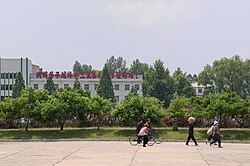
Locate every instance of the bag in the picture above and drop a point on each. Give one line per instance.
(210, 130)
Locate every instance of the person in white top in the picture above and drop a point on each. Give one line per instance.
(144, 133)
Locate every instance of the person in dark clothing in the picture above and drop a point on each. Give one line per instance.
(191, 133)
(138, 128)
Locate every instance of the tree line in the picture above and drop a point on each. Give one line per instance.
(167, 99)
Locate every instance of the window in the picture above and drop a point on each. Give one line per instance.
(126, 87)
(2, 87)
(137, 87)
(96, 85)
(56, 86)
(199, 90)
(2, 98)
(35, 86)
(2, 75)
(117, 98)
(116, 87)
(86, 86)
(66, 85)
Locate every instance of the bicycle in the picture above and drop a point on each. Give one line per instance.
(135, 140)
(157, 136)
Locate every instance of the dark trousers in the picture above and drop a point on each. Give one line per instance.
(191, 136)
(217, 139)
(145, 140)
(210, 137)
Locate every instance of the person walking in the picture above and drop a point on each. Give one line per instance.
(144, 133)
(216, 134)
(210, 134)
(191, 131)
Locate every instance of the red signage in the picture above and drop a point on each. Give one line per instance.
(88, 75)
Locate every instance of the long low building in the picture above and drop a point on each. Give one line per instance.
(36, 78)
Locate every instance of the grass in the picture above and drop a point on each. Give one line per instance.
(116, 134)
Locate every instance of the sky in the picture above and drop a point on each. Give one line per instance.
(182, 33)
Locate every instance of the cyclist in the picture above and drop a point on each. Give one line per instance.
(144, 133)
(138, 128)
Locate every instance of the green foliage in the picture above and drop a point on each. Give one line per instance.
(227, 74)
(132, 93)
(99, 107)
(18, 85)
(7, 109)
(182, 84)
(192, 78)
(77, 68)
(132, 109)
(158, 83)
(116, 64)
(77, 84)
(86, 68)
(105, 88)
(221, 107)
(179, 108)
(50, 86)
(138, 67)
(175, 127)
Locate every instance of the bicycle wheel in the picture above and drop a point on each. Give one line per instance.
(158, 139)
(151, 140)
(133, 140)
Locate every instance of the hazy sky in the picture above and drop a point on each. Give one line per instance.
(182, 33)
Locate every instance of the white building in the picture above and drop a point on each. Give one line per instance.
(199, 89)
(8, 70)
(36, 78)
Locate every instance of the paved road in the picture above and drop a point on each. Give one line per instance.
(120, 153)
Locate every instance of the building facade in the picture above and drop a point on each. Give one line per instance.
(36, 78)
(199, 89)
(8, 70)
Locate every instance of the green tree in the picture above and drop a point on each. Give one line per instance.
(18, 85)
(77, 84)
(116, 64)
(54, 110)
(226, 74)
(192, 78)
(246, 82)
(99, 107)
(86, 68)
(77, 68)
(138, 67)
(132, 93)
(26, 104)
(182, 84)
(158, 83)
(130, 110)
(105, 88)
(9, 112)
(178, 109)
(50, 86)
(71, 100)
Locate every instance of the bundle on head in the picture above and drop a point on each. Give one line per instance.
(191, 119)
